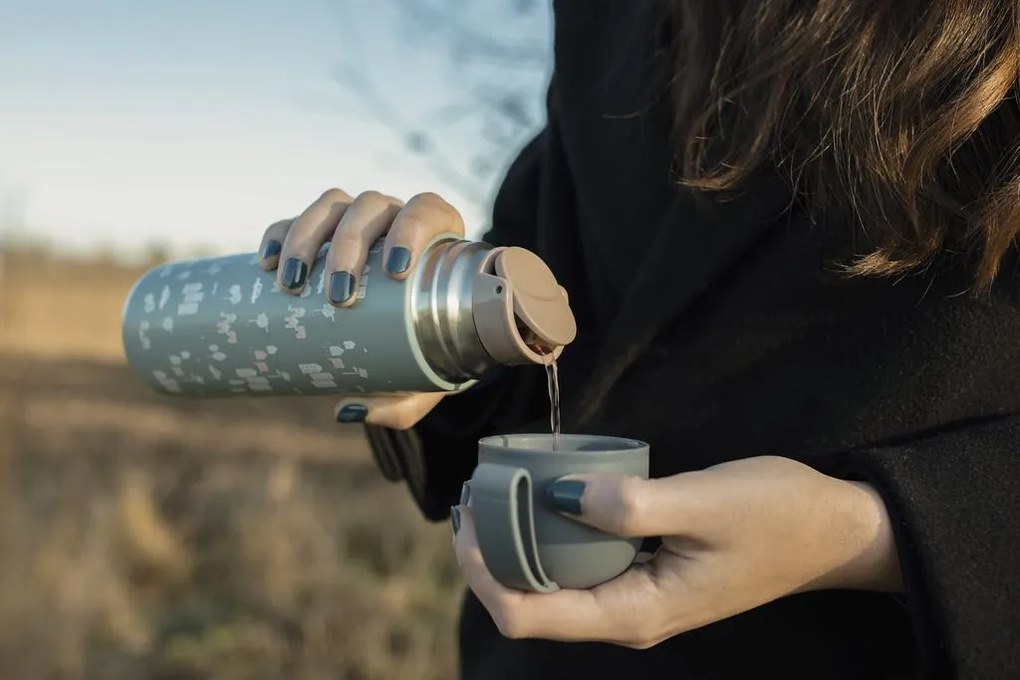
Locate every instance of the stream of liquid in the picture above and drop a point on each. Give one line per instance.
(553, 378)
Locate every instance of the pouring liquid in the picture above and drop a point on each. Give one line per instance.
(553, 379)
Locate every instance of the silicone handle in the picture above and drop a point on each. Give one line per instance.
(505, 524)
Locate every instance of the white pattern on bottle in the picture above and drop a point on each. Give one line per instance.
(328, 311)
(224, 327)
(143, 335)
(168, 383)
(262, 321)
(234, 294)
(291, 321)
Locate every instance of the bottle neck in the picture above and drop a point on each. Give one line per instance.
(441, 306)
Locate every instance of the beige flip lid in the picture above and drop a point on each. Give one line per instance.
(520, 310)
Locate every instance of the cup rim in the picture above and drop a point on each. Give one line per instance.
(614, 444)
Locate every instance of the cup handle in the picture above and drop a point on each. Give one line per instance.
(505, 525)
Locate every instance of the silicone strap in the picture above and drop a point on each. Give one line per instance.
(505, 524)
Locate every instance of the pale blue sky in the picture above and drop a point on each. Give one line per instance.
(199, 122)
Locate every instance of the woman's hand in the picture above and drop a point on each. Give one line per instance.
(734, 536)
(351, 226)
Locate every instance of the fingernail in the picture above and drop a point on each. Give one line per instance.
(352, 413)
(341, 287)
(398, 261)
(271, 249)
(455, 518)
(294, 273)
(465, 493)
(565, 495)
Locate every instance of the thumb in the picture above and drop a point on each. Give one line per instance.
(400, 411)
(626, 505)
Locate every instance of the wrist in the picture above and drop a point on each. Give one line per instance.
(863, 542)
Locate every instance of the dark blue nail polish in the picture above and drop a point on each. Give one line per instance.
(455, 518)
(398, 261)
(465, 493)
(294, 273)
(565, 495)
(341, 287)
(352, 413)
(272, 248)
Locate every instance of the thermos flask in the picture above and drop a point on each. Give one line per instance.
(221, 326)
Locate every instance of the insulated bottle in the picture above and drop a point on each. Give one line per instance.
(221, 326)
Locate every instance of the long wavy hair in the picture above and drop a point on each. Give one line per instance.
(902, 114)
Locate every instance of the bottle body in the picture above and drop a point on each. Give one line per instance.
(221, 327)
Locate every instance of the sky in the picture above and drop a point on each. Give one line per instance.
(196, 123)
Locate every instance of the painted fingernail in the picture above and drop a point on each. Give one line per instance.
(398, 261)
(565, 495)
(272, 248)
(465, 493)
(455, 518)
(341, 287)
(352, 413)
(294, 273)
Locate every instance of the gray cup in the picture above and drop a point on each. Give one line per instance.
(525, 543)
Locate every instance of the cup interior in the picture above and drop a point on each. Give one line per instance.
(564, 443)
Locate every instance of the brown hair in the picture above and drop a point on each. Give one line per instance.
(901, 113)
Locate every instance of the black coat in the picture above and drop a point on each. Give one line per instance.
(718, 330)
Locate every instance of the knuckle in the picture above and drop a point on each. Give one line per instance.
(371, 197)
(334, 195)
(427, 199)
(410, 223)
(643, 634)
(508, 624)
(640, 643)
(346, 243)
(631, 505)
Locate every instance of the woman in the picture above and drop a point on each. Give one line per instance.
(786, 228)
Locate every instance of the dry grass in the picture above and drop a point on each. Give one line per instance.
(145, 537)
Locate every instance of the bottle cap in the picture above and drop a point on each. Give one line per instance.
(521, 313)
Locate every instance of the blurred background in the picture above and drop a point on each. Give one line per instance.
(144, 537)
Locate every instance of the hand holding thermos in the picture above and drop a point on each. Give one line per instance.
(399, 307)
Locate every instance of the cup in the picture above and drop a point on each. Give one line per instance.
(528, 545)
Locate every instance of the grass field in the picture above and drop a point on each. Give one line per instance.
(146, 537)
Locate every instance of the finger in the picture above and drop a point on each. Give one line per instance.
(272, 244)
(309, 231)
(624, 611)
(364, 221)
(626, 505)
(395, 411)
(424, 217)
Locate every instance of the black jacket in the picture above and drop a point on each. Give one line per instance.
(718, 330)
